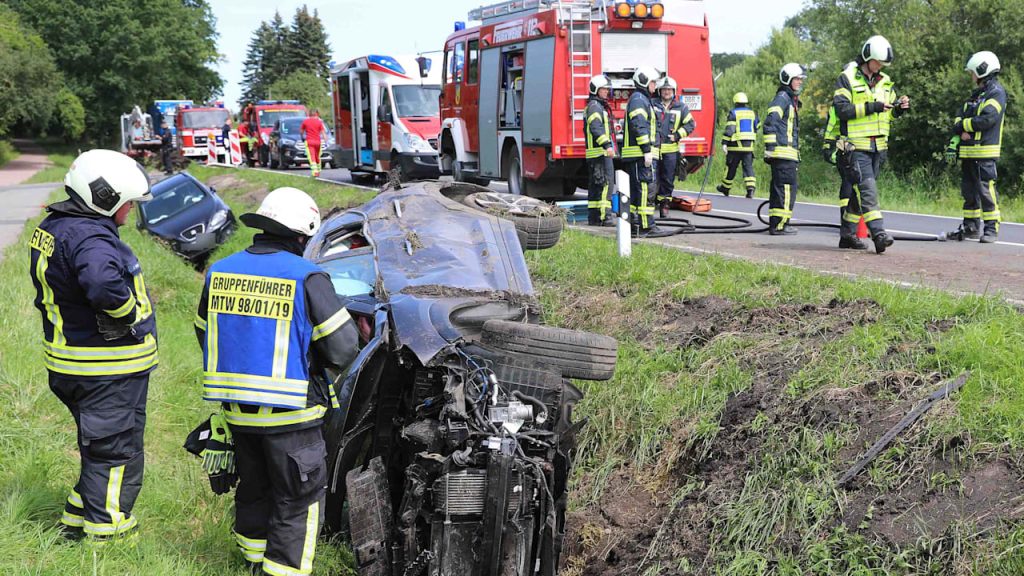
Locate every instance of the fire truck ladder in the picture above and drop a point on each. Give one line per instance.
(578, 17)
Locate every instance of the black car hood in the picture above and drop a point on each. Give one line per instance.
(434, 255)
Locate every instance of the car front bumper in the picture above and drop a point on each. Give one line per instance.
(419, 165)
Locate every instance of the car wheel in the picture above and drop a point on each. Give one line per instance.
(538, 223)
(275, 161)
(578, 354)
(264, 156)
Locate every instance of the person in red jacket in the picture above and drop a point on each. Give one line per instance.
(312, 130)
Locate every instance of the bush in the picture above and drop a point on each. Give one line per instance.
(69, 117)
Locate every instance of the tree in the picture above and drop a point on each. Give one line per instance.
(29, 79)
(305, 46)
(724, 60)
(254, 75)
(119, 53)
(305, 87)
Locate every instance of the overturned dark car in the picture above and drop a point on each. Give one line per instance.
(187, 215)
(453, 449)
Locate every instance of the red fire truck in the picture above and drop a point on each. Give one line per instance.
(195, 124)
(514, 89)
(266, 114)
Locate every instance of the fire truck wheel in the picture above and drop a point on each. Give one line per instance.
(515, 173)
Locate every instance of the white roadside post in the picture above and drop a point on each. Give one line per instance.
(620, 204)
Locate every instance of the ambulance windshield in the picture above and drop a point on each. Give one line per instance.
(413, 100)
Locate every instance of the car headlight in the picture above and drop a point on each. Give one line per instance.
(219, 219)
(416, 143)
(287, 142)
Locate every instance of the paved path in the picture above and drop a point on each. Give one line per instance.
(21, 201)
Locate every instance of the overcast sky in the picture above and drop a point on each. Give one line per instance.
(409, 26)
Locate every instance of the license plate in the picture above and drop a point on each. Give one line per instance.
(692, 101)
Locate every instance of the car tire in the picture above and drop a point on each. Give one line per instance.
(282, 163)
(578, 354)
(274, 161)
(539, 226)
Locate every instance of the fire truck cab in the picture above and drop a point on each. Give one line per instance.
(515, 88)
(265, 115)
(196, 124)
(386, 115)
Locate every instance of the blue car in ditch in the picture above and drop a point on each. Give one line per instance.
(452, 448)
(187, 215)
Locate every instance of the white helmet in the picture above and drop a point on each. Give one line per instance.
(983, 64)
(790, 71)
(286, 211)
(598, 82)
(668, 82)
(644, 75)
(105, 180)
(877, 48)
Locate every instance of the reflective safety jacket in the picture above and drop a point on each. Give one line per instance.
(982, 117)
(641, 126)
(831, 128)
(782, 127)
(860, 107)
(81, 269)
(600, 136)
(269, 322)
(674, 119)
(741, 129)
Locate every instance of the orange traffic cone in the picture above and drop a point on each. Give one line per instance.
(862, 229)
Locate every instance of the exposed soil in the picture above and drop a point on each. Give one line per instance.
(232, 186)
(935, 487)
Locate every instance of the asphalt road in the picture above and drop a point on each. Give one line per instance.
(20, 203)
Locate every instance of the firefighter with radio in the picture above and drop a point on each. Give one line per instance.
(676, 123)
(600, 153)
(830, 152)
(639, 147)
(269, 324)
(865, 103)
(782, 148)
(99, 337)
(977, 137)
(738, 139)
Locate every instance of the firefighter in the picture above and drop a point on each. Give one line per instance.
(865, 103)
(638, 152)
(738, 140)
(782, 148)
(166, 147)
(311, 130)
(676, 123)
(978, 133)
(600, 153)
(99, 337)
(829, 149)
(269, 324)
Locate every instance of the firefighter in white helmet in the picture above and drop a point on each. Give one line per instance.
(99, 337)
(865, 102)
(738, 140)
(639, 149)
(269, 323)
(675, 123)
(977, 137)
(600, 152)
(829, 150)
(782, 148)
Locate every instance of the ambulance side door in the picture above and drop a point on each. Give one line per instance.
(385, 118)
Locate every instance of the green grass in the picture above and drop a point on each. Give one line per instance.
(61, 156)
(662, 408)
(7, 152)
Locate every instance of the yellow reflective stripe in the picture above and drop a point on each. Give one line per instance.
(83, 353)
(968, 123)
(72, 520)
(776, 110)
(843, 92)
(770, 138)
(844, 202)
(783, 153)
(688, 119)
(238, 418)
(263, 382)
(49, 303)
(643, 139)
(329, 326)
(114, 368)
(75, 499)
(602, 139)
(250, 543)
(145, 308)
(594, 116)
(851, 217)
(972, 213)
(980, 152)
(860, 110)
(122, 310)
(119, 522)
(872, 215)
(990, 102)
(211, 342)
(281, 338)
(200, 323)
(638, 112)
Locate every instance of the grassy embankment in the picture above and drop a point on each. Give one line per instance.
(654, 429)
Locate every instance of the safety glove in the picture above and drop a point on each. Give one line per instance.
(219, 456)
(115, 328)
(951, 149)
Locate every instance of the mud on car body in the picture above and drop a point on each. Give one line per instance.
(453, 447)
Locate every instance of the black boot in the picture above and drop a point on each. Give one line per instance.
(663, 207)
(991, 233)
(721, 188)
(593, 217)
(882, 241)
(972, 228)
(750, 192)
(852, 242)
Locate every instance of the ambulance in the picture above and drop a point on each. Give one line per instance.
(386, 115)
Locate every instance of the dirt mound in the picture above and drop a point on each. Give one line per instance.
(776, 457)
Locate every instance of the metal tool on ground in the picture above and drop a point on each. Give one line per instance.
(943, 391)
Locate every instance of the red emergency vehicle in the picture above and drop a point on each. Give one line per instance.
(265, 115)
(514, 89)
(195, 124)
